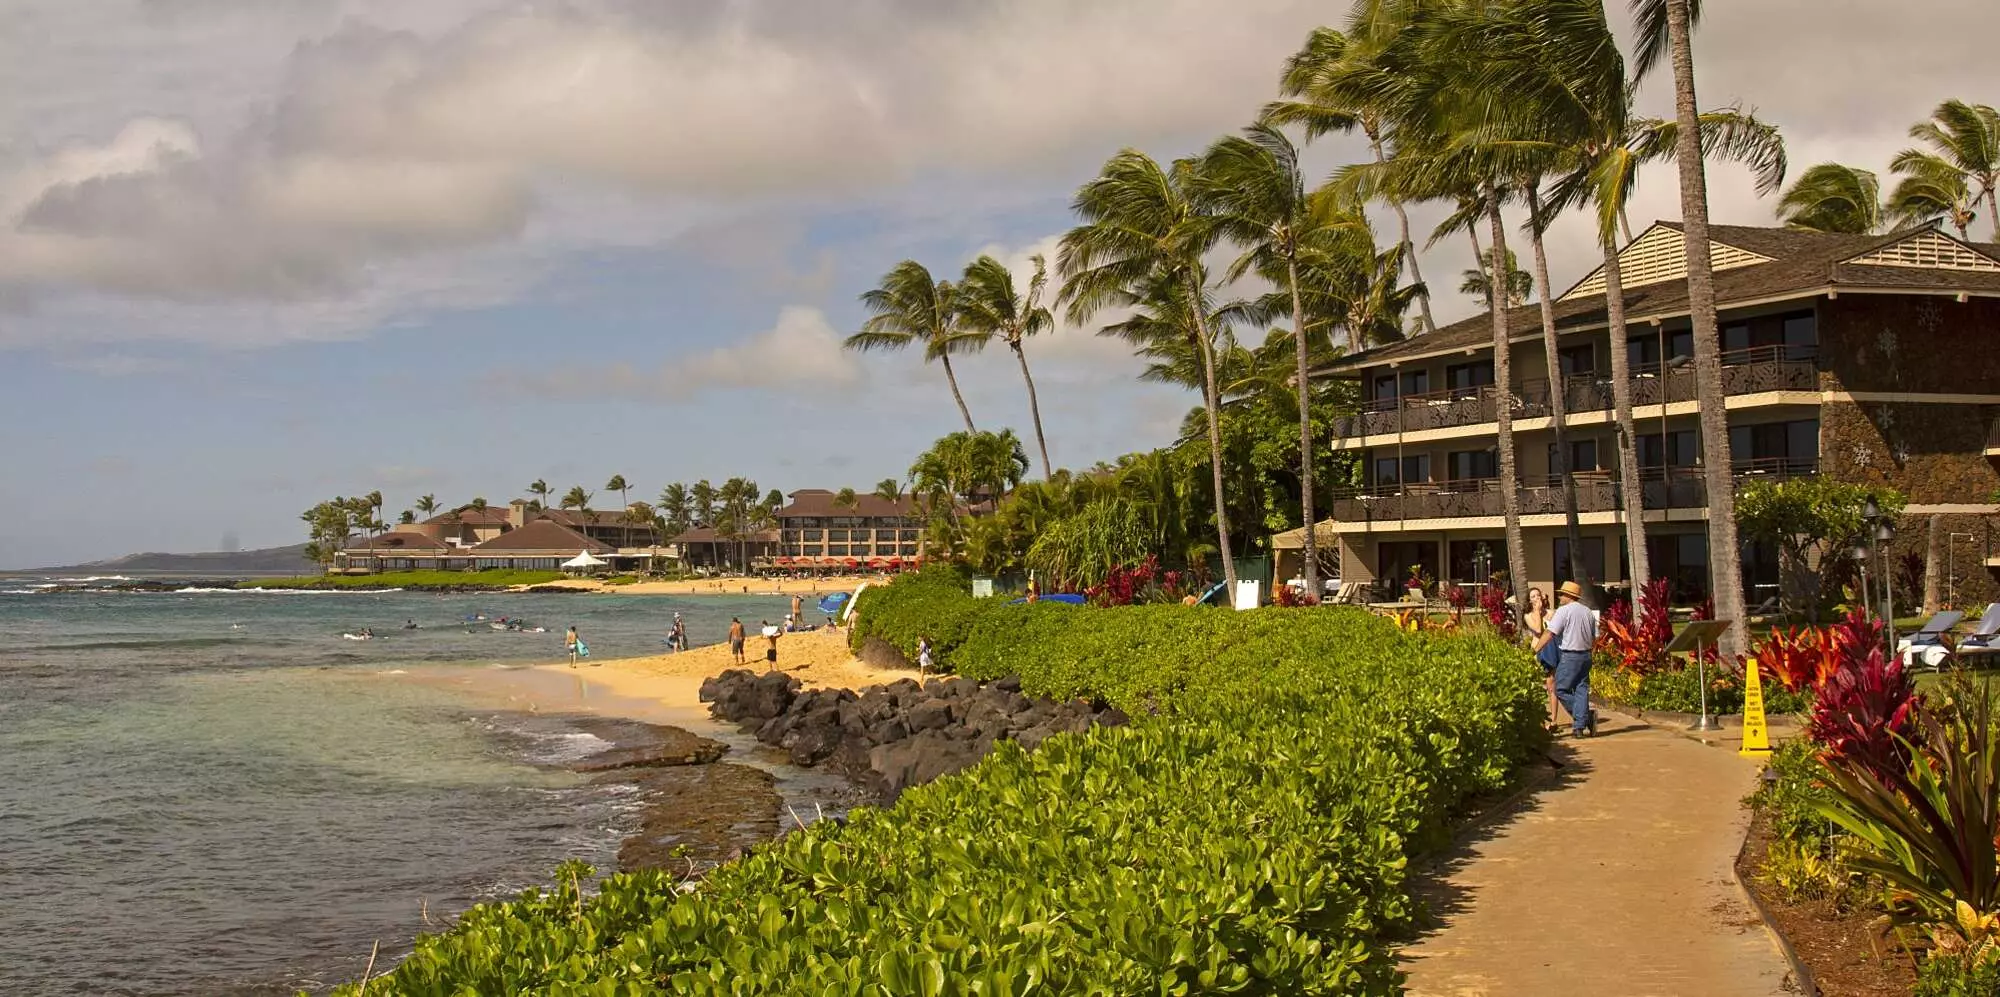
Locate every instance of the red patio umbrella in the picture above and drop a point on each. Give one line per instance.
(852, 563)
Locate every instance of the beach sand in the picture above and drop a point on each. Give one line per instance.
(725, 586)
(659, 688)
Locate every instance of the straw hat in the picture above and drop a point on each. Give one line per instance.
(1571, 589)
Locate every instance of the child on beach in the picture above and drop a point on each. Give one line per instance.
(923, 655)
(770, 634)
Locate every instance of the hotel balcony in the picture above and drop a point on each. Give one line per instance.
(1744, 372)
(1661, 488)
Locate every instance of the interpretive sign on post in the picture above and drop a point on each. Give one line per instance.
(1695, 638)
(982, 588)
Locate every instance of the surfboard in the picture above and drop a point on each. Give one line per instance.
(848, 610)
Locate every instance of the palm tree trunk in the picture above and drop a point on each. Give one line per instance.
(1479, 259)
(1631, 491)
(1034, 410)
(1724, 565)
(1624, 223)
(1211, 400)
(956, 395)
(1310, 550)
(1993, 212)
(1503, 414)
(1409, 248)
(1558, 389)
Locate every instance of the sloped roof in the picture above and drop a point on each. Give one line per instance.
(396, 541)
(704, 535)
(468, 516)
(542, 535)
(819, 502)
(1801, 262)
(573, 518)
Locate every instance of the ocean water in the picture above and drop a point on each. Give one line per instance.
(215, 793)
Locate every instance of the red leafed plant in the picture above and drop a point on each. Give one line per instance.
(1800, 659)
(1289, 596)
(1864, 708)
(1456, 595)
(1493, 602)
(1125, 585)
(1640, 647)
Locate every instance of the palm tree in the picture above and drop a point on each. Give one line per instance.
(578, 499)
(988, 306)
(478, 504)
(676, 509)
(1665, 28)
(409, 516)
(1478, 282)
(1964, 139)
(889, 490)
(703, 495)
(1605, 175)
(617, 484)
(1833, 197)
(1325, 85)
(908, 309)
(540, 490)
(1927, 194)
(374, 500)
(1139, 224)
(427, 505)
(847, 499)
(1254, 186)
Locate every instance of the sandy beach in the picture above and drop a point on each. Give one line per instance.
(660, 688)
(726, 586)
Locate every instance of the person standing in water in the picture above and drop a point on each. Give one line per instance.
(570, 641)
(798, 607)
(736, 641)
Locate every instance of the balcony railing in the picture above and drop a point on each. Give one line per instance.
(1596, 491)
(1744, 372)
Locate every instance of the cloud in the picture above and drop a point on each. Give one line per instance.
(799, 356)
(122, 365)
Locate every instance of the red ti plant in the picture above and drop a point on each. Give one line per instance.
(1641, 646)
(1862, 715)
(1799, 659)
(1125, 585)
(1493, 601)
(1289, 596)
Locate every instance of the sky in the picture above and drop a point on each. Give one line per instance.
(256, 253)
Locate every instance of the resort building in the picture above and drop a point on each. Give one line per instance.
(705, 547)
(516, 535)
(1863, 357)
(816, 531)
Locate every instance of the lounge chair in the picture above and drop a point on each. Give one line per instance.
(1927, 643)
(1931, 651)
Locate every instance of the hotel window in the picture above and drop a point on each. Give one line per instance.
(837, 536)
(814, 536)
(1644, 351)
(1414, 470)
(1582, 456)
(1383, 388)
(1792, 445)
(1575, 360)
(1794, 336)
(1473, 465)
(909, 550)
(1592, 555)
(1464, 378)
(1678, 450)
(837, 550)
(1416, 382)
(909, 535)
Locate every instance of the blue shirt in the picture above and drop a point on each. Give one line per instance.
(1575, 627)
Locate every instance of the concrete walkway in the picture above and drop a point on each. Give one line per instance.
(1616, 879)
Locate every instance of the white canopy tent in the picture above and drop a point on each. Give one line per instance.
(583, 561)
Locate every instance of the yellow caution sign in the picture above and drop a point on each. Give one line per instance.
(1756, 739)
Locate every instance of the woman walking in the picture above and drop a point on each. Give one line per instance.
(1537, 619)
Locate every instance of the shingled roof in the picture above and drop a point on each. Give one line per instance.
(492, 515)
(1797, 262)
(819, 502)
(396, 542)
(542, 536)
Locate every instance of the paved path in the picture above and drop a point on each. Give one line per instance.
(1617, 879)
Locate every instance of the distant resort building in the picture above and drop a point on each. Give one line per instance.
(814, 533)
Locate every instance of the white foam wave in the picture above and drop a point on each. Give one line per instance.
(569, 747)
(264, 591)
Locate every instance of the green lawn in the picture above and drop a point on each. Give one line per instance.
(497, 578)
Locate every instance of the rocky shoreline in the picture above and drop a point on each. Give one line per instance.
(888, 738)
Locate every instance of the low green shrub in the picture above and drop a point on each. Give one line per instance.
(1678, 690)
(1249, 833)
(1953, 976)
(492, 578)
(935, 602)
(617, 580)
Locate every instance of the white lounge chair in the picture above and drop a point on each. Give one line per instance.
(1926, 645)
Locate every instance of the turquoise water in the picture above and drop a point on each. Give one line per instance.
(216, 793)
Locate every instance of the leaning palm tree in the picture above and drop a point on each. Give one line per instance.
(847, 499)
(617, 484)
(1833, 197)
(1139, 224)
(427, 505)
(578, 499)
(676, 509)
(1926, 194)
(1254, 186)
(910, 309)
(1326, 90)
(889, 490)
(989, 306)
(1964, 139)
(1665, 28)
(541, 491)
(1477, 282)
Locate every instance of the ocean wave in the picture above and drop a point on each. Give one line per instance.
(265, 591)
(135, 645)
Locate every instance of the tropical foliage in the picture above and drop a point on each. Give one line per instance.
(1812, 521)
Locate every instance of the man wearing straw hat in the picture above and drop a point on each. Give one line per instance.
(1574, 628)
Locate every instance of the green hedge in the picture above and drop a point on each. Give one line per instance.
(935, 602)
(1249, 833)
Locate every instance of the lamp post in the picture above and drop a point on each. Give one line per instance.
(1860, 555)
(1883, 534)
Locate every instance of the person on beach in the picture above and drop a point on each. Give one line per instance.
(1537, 620)
(1573, 629)
(736, 641)
(798, 606)
(569, 644)
(770, 634)
(923, 655)
(678, 637)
